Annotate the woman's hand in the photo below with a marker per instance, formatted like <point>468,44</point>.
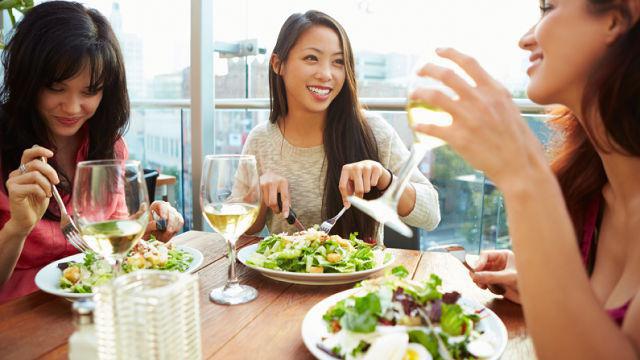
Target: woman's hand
<point>360,177</point>
<point>487,129</point>
<point>270,185</point>
<point>29,188</point>
<point>498,267</point>
<point>165,211</point>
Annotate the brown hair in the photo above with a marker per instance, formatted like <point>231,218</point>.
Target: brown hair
<point>347,137</point>
<point>613,92</point>
<point>51,44</point>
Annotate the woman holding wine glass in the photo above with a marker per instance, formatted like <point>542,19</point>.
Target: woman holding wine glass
<point>575,265</point>
<point>64,100</point>
<point>319,146</point>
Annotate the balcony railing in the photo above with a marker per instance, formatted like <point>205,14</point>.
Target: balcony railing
<point>526,106</point>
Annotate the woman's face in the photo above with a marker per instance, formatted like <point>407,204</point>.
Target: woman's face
<point>67,105</point>
<point>565,47</point>
<point>314,71</point>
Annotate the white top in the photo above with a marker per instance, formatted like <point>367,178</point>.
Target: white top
<point>305,170</point>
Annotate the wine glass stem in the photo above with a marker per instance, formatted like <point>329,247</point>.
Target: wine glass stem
<point>117,267</point>
<point>231,251</point>
<point>394,192</point>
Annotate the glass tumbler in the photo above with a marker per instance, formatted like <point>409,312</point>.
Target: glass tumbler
<point>149,314</point>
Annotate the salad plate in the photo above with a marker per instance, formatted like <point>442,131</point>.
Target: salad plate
<point>48,278</point>
<point>345,326</point>
<point>312,278</point>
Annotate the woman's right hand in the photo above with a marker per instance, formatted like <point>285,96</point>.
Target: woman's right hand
<point>488,130</point>
<point>29,188</point>
<point>497,267</point>
<point>270,185</point>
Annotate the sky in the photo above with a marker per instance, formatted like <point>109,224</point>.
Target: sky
<point>487,29</point>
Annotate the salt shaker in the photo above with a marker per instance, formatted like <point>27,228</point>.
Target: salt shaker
<point>83,343</point>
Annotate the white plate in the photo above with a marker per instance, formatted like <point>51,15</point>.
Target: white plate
<point>309,279</point>
<point>48,278</point>
<point>314,328</point>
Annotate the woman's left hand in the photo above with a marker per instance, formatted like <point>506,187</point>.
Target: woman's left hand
<point>360,177</point>
<point>174,221</point>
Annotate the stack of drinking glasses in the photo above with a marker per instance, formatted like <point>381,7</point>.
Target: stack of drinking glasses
<point>149,314</point>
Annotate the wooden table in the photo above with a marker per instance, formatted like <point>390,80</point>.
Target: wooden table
<point>38,325</point>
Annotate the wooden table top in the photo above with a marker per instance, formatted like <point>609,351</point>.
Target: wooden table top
<point>164,179</point>
<point>39,325</point>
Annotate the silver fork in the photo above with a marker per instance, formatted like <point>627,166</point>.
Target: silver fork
<point>68,228</point>
<point>327,225</point>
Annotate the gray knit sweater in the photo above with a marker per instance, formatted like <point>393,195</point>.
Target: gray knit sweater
<point>304,169</point>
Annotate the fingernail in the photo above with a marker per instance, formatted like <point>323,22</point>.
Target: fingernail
<point>440,49</point>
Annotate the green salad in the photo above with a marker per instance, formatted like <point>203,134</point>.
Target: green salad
<point>314,251</point>
<point>393,317</point>
<point>81,277</point>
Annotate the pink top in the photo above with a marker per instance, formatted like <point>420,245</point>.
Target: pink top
<point>589,236</point>
<point>45,243</point>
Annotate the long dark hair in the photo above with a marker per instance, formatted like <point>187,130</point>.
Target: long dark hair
<point>51,44</point>
<point>347,136</point>
<point>613,92</point>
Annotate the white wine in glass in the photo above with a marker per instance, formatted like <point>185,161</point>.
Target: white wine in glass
<point>230,199</point>
<point>418,112</point>
<point>110,206</point>
<point>231,220</point>
<point>112,236</point>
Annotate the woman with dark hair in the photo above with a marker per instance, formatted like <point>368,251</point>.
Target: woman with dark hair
<point>582,212</point>
<point>64,99</point>
<point>319,146</point>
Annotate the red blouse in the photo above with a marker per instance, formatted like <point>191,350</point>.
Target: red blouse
<point>45,243</point>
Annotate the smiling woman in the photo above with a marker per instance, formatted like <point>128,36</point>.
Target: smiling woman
<point>573,224</point>
<point>65,106</point>
<point>63,100</point>
<point>319,146</point>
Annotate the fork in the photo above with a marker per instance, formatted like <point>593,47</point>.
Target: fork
<point>327,225</point>
<point>68,228</point>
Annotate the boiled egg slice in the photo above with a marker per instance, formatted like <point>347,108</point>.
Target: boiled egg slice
<point>417,352</point>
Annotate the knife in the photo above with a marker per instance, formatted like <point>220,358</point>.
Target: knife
<point>292,219</point>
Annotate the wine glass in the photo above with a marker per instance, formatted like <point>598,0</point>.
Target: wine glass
<point>230,199</point>
<point>110,207</point>
<point>384,208</point>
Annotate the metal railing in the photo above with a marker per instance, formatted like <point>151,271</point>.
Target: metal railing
<point>376,104</point>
